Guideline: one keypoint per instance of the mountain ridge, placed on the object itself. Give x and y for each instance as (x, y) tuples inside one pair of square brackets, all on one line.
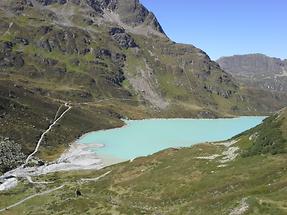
[(251, 54), (268, 73), (129, 14)]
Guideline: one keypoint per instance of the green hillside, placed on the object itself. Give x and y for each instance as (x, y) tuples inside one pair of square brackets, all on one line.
[(210, 178)]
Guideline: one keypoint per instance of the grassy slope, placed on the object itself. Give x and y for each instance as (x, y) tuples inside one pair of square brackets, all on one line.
[(173, 181), (269, 137)]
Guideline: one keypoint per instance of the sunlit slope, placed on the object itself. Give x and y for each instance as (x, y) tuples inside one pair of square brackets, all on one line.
[(211, 178)]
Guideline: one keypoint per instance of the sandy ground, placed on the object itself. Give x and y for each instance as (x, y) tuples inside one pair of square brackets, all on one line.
[(81, 156)]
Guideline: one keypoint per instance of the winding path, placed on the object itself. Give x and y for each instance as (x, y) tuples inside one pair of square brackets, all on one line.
[(57, 113), (32, 196), (95, 179), (45, 132), (50, 191), (30, 180)]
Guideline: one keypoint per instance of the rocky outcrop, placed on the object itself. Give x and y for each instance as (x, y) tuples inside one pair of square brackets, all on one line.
[(117, 78), (49, 2), (117, 58), (219, 91), (10, 155), (122, 38), (130, 12), (8, 58), (67, 40)]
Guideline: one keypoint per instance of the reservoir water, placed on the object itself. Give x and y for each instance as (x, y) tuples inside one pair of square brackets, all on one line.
[(145, 137)]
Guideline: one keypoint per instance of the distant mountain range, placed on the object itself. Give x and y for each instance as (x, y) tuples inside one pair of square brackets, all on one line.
[(257, 70)]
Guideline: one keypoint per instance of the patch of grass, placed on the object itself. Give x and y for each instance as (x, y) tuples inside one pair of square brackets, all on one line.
[(267, 138), (170, 182)]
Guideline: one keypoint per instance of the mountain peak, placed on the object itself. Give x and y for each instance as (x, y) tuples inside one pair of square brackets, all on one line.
[(131, 15), (128, 14)]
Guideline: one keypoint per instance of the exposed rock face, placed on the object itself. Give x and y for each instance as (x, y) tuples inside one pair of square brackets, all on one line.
[(69, 40), (123, 39), (145, 83), (257, 70), (130, 12), (10, 155), (48, 2), (9, 58), (134, 13)]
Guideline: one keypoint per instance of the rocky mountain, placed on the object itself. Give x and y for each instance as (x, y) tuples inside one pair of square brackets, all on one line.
[(109, 59), (257, 70)]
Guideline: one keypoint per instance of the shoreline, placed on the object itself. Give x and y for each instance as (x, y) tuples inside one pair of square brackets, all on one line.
[(81, 155), (101, 130), (171, 119), (185, 118)]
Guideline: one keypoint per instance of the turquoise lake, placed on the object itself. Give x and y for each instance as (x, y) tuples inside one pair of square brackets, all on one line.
[(145, 137)]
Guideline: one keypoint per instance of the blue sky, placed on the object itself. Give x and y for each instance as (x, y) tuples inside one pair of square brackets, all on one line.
[(225, 27)]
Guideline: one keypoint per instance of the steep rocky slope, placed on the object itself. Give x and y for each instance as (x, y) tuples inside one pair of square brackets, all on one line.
[(109, 59), (257, 70)]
